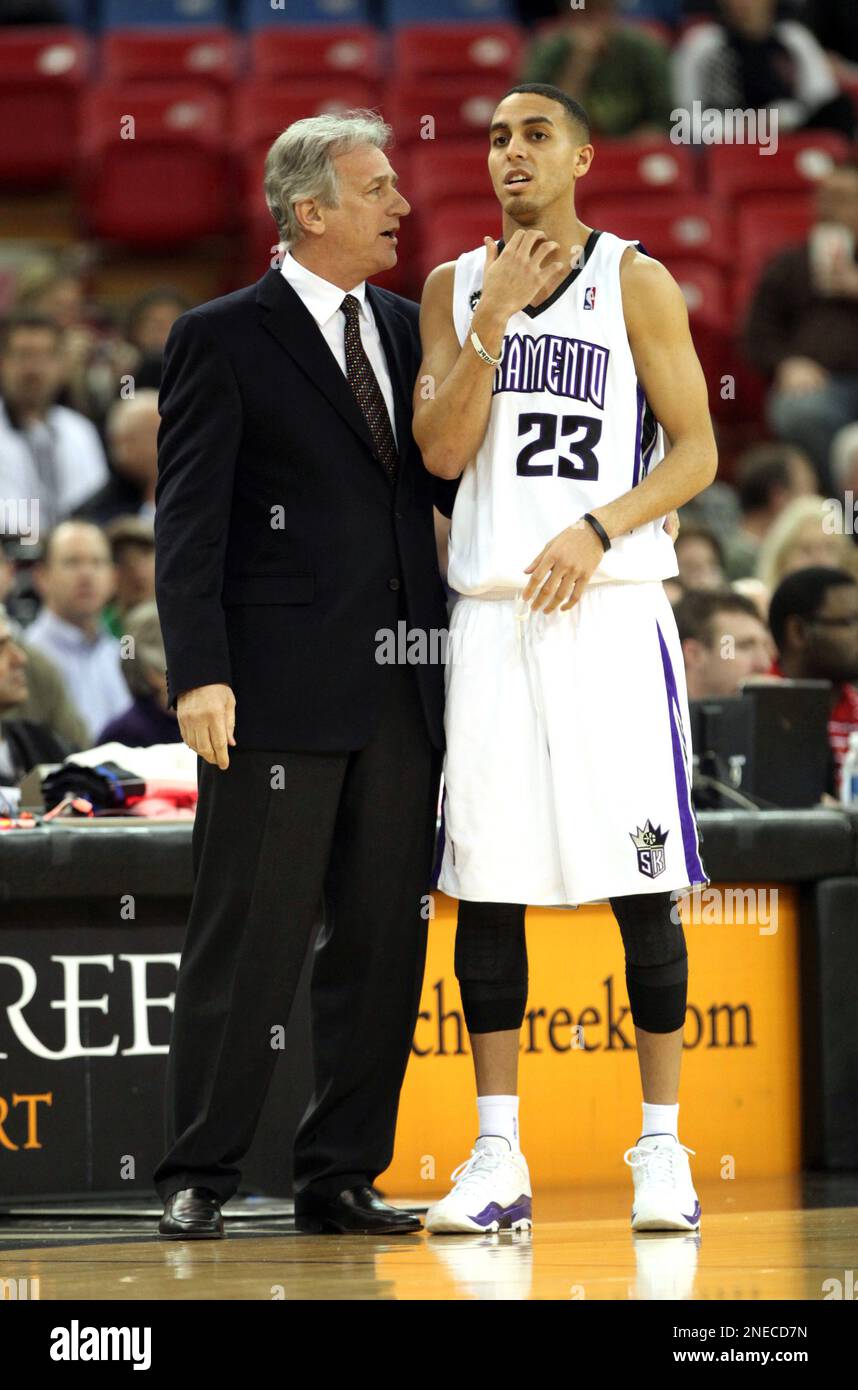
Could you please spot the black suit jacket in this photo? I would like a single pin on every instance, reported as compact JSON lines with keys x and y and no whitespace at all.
{"x":281,"y":547}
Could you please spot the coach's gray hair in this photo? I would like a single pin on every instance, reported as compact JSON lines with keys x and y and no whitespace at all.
{"x":300,"y":163}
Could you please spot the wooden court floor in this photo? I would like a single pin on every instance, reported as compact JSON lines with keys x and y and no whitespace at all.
{"x":790,"y":1239}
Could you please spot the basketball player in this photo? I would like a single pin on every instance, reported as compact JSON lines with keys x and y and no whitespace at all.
{"x":559,"y":359}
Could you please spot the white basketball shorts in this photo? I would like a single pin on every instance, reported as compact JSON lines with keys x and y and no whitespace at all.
{"x":567,"y":773}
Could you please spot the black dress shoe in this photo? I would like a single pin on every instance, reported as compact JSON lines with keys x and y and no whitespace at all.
{"x":355,"y":1211}
{"x":193,"y":1213}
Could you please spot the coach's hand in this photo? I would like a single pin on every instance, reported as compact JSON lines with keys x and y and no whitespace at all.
{"x":512,"y":279}
{"x":207,"y":721}
{"x":561,"y":571}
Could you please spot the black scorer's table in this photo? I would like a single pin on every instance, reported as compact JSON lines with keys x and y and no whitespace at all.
{"x":92,"y":914}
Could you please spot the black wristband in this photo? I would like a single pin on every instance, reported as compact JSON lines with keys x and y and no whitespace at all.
{"x":599,"y":529}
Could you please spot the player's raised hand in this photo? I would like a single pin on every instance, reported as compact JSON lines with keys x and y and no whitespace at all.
{"x":528,"y":263}
{"x":562,"y":569}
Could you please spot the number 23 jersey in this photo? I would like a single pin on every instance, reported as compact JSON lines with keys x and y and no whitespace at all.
{"x":569,"y":430}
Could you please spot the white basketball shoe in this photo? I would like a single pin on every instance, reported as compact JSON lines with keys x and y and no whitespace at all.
{"x":491,"y":1192}
{"x":664,"y":1199}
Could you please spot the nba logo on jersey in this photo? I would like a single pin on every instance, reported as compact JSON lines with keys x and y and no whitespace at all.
{"x":590,"y":297}
{"x":649,"y":843}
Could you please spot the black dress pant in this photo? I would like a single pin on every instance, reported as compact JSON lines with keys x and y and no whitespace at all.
{"x":279,"y":839}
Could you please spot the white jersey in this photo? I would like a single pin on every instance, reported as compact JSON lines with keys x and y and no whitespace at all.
{"x":569,"y":430}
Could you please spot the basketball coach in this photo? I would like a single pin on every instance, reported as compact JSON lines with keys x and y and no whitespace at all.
{"x":294,"y":526}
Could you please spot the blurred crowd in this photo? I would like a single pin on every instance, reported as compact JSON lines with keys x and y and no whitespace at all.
{"x":768,"y":562}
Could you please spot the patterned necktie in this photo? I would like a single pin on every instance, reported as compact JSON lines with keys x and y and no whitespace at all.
{"x":364,"y":383}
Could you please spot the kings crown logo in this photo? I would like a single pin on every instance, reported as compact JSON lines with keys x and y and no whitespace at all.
{"x":474,"y":299}
{"x":649,"y":843}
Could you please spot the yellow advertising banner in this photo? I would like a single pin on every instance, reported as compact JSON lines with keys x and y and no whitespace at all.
{"x":579,"y":1080}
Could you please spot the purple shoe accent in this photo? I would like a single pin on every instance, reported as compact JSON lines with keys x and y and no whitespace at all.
{"x":522,"y":1207}
{"x":695,"y":1215}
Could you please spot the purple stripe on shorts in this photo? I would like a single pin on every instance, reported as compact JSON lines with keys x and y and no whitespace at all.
{"x":694,"y":868}
{"x":636,"y":471}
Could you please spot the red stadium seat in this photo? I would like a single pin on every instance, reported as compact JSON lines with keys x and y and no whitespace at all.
{"x":705,"y":291}
{"x":42,"y":71}
{"x":678,"y":226}
{"x":171,"y":182}
{"x":441,"y":50}
{"x":437,"y":110}
{"x":625,"y":167}
{"x":210,"y":56}
{"x":766,"y":225}
{"x":799,"y":162}
{"x":456,"y":172}
{"x":454,"y":230}
{"x":335,"y":51}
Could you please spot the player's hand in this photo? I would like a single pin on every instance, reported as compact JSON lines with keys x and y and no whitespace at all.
{"x":671,"y":524}
{"x":562,"y":569}
{"x":525,"y":266}
{"x":207,"y":722}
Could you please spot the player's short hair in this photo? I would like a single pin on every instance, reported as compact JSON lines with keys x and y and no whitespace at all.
{"x":300,"y":163}
{"x":697,"y":611}
{"x":802,"y":595}
{"x":574,"y":110}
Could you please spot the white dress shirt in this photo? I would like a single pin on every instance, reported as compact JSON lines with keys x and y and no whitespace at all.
{"x":324,"y":302}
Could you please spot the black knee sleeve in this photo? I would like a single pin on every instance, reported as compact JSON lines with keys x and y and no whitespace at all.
{"x":656,"y":960}
{"x":491,"y":965}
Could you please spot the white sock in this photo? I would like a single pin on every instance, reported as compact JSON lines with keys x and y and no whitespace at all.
{"x":660,"y":1119}
{"x":499,"y":1117}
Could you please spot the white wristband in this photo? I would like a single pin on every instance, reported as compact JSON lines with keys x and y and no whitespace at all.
{"x":481,"y":352}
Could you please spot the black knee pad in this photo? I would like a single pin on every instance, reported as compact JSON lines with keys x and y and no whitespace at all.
{"x":491,"y":965}
{"x":656,"y":960}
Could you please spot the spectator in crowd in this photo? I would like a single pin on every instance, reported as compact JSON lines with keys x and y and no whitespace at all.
{"x":93,"y":351}
{"x":675,"y":590}
{"x":844,"y":467}
{"x":751,"y":60}
{"x":23,"y":742}
{"x":716,"y":509}
{"x":132,"y":545}
{"x":149,"y":321}
{"x":700,"y":557}
{"x":724,"y":642}
{"x":802,"y":326}
{"x":620,"y":73}
{"x":802,"y":536}
{"x":755,"y":590}
{"x":132,"y":443}
{"x":768,"y":477}
{"x":76,"y":579}
{"x":149,"y":719}
{"x":48,"y":453}
{"x":47,"y":700}
{"x":814,"y":621}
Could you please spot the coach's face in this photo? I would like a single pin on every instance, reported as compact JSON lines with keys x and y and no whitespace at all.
{"x":534,"y":155}
{"x":358,"y":238}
